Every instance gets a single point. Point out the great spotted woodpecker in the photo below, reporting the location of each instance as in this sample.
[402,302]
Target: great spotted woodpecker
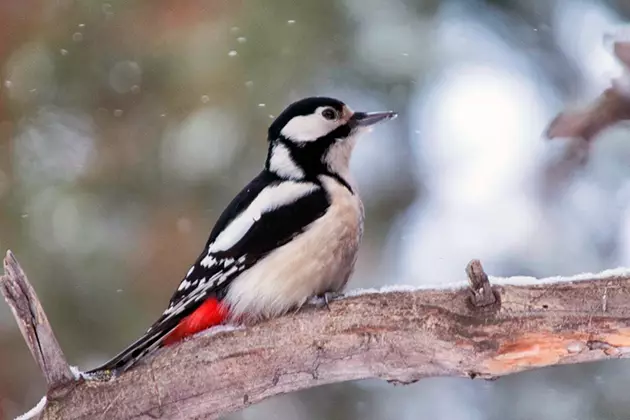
[291,234]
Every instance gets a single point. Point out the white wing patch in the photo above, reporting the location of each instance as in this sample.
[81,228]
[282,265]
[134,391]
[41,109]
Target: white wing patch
[198,287]
[215,270]
[208,261]
[187,284]
[269,199]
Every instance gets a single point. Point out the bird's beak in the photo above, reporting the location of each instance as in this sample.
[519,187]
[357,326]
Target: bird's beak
[365,119]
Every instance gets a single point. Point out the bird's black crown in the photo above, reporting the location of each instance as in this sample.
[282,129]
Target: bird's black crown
[304,106]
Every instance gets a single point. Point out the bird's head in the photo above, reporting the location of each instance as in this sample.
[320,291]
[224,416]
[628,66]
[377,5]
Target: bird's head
[316,136]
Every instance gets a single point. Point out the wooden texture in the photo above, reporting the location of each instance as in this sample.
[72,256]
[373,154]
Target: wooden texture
[34,325]
[480,331]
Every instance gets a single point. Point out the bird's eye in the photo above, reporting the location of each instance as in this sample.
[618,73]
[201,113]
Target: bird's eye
[329,114]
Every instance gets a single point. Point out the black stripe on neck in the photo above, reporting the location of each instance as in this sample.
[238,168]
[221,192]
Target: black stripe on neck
[309,157]
[341,181]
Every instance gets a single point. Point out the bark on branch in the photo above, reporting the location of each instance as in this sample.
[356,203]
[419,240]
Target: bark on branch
[477,330]
[34,325]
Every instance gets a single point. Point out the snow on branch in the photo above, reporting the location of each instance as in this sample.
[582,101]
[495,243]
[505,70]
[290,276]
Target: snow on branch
[477,329]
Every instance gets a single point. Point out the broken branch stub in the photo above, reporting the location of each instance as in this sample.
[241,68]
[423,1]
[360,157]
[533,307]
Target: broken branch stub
[34,325]
[482,294]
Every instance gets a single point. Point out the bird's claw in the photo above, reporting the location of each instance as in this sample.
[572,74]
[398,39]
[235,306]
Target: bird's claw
[324,299]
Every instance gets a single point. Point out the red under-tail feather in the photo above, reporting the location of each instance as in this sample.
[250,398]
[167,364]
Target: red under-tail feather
[210,313]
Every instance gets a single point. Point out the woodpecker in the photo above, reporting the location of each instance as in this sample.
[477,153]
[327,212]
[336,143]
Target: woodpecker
[291,234]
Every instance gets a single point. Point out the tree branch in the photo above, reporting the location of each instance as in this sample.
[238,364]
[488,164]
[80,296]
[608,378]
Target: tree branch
[34,325]
[611,107]
[400,335]
[584,126]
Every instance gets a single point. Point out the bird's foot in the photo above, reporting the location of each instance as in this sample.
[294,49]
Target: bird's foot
[323,300]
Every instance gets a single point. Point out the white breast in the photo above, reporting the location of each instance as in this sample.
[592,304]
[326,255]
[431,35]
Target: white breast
[319,260]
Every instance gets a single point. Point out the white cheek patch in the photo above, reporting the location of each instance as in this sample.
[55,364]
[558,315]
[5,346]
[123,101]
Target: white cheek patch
[308,127]
[268,200]
[282,164]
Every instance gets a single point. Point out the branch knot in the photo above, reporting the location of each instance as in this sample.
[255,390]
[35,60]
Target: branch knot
[481,293]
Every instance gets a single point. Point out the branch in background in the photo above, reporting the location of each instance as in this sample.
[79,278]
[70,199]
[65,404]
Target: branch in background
[583,126]
[399,334]
[611,107]
[34,325]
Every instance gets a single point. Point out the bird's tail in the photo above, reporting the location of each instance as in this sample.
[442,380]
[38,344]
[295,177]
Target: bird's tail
[148,343]
[167,330]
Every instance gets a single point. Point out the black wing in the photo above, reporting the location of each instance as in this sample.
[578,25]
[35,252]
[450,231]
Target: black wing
[213,271]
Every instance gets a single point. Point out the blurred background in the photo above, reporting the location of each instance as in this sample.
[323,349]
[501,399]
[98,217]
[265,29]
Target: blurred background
[126,127]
